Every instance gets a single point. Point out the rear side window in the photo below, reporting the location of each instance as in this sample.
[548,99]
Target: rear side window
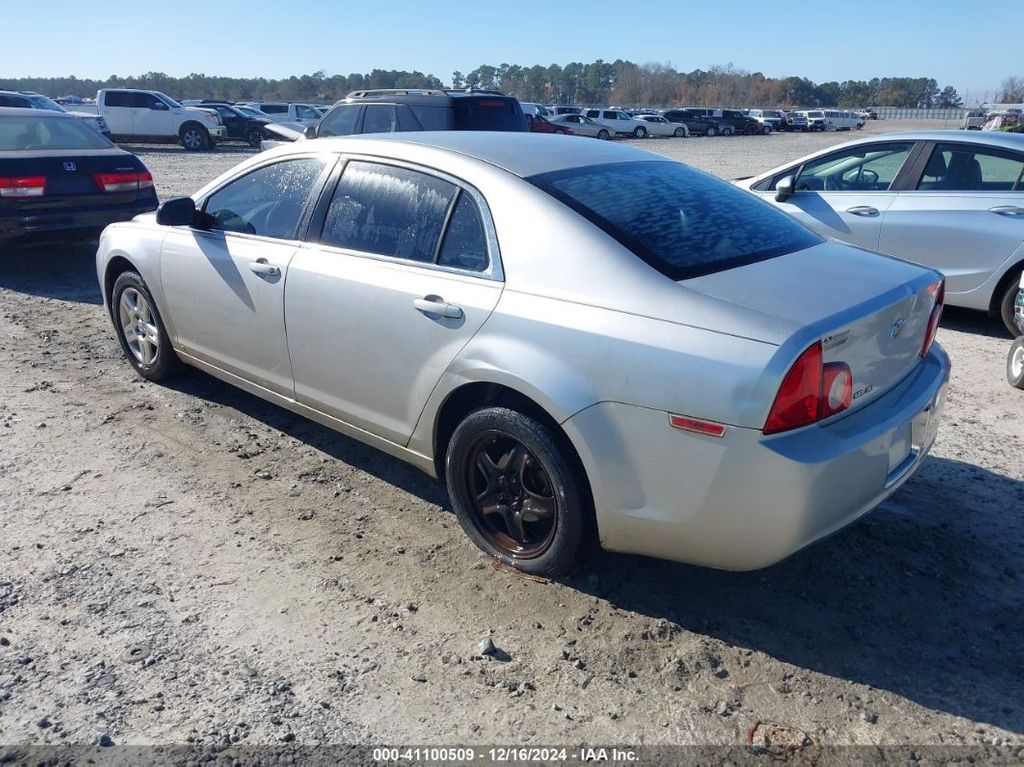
[963,168]
[434,118]
[274,109]
[682,222]
[268,202]
[464,245]
[389,211]
[490,113]
[117,99]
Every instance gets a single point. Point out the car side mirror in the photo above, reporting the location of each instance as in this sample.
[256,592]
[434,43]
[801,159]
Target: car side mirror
[160,106]
[310,131]
[784,189]
[180,211]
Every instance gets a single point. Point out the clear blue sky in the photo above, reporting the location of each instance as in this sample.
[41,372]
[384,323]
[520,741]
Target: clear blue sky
[969,44]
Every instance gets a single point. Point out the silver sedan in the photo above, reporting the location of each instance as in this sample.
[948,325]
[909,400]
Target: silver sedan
[943,199]
[582,125]
[586,341]
[659,126]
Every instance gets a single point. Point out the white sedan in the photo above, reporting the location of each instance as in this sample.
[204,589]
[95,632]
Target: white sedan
[659,126]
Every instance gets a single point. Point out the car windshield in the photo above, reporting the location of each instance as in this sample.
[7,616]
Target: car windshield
[170,102]
[20,133]
[681,221]
[249,112]
[42,102]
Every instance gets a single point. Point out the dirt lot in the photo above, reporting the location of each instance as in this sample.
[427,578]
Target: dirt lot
[185,563]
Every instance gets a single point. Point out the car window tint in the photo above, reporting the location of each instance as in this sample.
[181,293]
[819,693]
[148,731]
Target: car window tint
[680,221]
[406,119]
[306,113]
[340,121]
[865,168]
[117,99]
[379,118]
[268,202]
[434,118]
[388,211]
[962,168]
[464,245]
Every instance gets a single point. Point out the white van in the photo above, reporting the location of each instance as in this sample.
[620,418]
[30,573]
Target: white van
[841,119]
[529,108]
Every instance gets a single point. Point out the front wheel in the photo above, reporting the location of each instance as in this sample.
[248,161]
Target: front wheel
[752,129]
[603,135]
[711,132]
[640,132]
[140,329]
[194,137]
[515,492]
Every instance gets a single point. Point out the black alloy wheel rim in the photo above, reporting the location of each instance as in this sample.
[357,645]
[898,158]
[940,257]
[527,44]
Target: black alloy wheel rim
[511,495]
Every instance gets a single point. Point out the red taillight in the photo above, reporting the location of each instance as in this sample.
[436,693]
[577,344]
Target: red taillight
[939,290]
[810,392]
[22,186]
[124,181]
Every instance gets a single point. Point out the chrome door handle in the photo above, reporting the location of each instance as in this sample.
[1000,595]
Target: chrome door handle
[863,210]
[1007,210]
[434,305]
[264,269]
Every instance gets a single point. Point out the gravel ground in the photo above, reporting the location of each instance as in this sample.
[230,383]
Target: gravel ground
[187,564]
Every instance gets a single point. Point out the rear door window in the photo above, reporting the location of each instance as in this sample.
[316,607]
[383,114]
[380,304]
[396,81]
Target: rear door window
[117,99]
[963,168]
[269,201]
[388,211]
[680,221]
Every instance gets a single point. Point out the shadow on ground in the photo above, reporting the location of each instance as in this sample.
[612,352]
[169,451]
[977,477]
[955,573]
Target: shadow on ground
[63,270]
[969,321]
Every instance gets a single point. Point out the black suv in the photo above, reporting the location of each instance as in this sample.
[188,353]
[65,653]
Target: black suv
[238,125]
[388,111]
[740,122]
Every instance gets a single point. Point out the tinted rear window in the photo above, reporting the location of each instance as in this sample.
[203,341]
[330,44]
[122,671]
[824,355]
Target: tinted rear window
[492,113]
[682,222]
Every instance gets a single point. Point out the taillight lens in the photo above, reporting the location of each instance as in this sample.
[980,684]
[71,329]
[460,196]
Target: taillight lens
[22,186]
[796,404]
[939,290]
[810,392]
[124,181]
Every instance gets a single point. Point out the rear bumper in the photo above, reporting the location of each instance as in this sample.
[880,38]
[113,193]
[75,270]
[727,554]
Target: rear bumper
[746,501]
[57,221]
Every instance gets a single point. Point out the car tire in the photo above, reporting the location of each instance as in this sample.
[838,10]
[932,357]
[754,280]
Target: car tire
[603,135]
[712,131]
[640,132]
[559,132]
[254,137]
[679,133]
[539,519]
[1008,302]
[727,131]
[767,129]
[752,130]
[1015,363]
[194,137]
[140,329]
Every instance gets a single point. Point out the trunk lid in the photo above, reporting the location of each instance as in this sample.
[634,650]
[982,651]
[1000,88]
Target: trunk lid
[70,177]
[869,311]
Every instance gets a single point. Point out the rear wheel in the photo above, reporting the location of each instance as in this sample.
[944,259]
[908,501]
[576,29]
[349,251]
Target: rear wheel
[194,137]
[515,492]
[1008,302]
[1015,364]
[603,134]
[559,131]
[679,132]
[727,131]
[752,129]
[254,137]
[711,131]
[140,330]
[640,132]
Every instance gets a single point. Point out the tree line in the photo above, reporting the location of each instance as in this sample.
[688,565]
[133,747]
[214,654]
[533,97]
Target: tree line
[620,82]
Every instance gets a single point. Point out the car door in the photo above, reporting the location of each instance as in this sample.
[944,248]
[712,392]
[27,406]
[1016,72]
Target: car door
[845,194]
[149,115]
[404,273]
[224,281]
[962,213]
[234,123]
[118,111]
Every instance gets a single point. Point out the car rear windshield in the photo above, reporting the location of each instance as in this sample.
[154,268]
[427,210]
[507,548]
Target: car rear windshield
[681,221]
[28,133]
[492,113]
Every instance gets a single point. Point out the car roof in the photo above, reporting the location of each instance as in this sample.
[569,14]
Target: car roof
[522,154]
[42,114]
[983,138]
